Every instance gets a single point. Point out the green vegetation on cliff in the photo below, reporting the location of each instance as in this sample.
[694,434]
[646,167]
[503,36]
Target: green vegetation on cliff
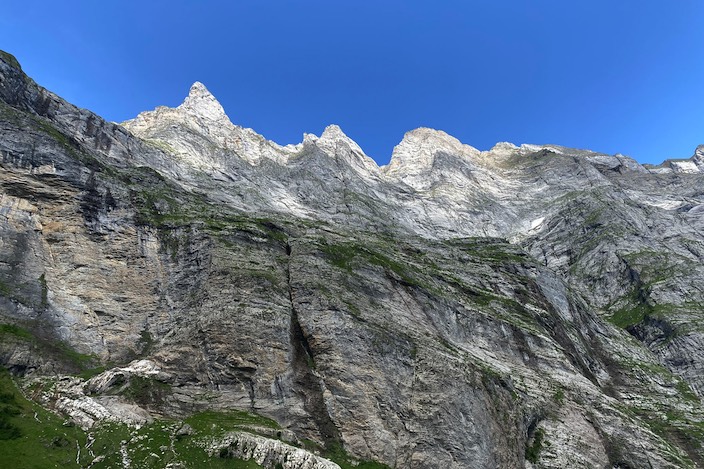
[34,438]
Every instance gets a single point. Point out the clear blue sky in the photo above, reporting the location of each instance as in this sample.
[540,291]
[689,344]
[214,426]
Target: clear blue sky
[612,76]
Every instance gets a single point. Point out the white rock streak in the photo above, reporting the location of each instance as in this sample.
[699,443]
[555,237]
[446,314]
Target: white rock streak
[268,452]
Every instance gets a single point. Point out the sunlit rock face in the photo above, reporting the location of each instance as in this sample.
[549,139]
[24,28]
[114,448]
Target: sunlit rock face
[526,306]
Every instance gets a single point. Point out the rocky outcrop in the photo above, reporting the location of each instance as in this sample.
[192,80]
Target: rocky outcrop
[532,306]
[267,452]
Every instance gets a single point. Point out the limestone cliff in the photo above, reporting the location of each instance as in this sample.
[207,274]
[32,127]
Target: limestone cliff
[532,306]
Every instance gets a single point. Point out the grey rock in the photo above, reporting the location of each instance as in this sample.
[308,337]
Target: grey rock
[451,309]
[267,452]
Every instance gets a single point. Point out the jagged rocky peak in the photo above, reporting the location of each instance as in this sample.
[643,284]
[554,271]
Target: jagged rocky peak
[504,147]
[200,107]
[335,142]
[201,102]
[332,134]
[418,149]
[210,135]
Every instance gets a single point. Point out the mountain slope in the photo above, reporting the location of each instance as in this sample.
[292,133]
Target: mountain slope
[448,310]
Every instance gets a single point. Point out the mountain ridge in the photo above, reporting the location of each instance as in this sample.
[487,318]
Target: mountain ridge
[217,113]
[525,307]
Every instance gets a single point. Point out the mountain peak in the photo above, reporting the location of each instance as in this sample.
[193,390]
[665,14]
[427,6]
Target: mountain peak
[331,136]
[503,148]
[333,132]
[198,88]
[202,103]
[335,142]
[416,152]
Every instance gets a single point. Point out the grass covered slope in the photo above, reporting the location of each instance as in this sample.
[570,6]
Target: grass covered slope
[33,438]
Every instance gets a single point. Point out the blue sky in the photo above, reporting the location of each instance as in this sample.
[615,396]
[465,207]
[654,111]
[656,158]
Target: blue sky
[612,76]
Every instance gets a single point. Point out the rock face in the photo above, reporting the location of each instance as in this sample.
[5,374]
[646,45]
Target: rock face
[268,453]
[532,306]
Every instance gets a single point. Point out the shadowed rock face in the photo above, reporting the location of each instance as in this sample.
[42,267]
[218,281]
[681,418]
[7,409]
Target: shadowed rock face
[530,306]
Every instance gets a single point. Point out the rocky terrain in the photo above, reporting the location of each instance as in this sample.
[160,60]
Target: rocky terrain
[218,300]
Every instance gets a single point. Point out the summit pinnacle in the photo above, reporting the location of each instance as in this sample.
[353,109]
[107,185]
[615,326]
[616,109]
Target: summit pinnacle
[200,102]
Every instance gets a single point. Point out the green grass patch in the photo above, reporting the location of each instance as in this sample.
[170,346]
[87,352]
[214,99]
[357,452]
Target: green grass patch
[638,311]
[91,372]
[559,397]
[491,250]
[155,446]
[30,436]
[146,391]
[54,349]
[629,316]
[145,342]
[34,438]
[44,291]
[17,331]
[533,450]
[81,360]
[685,391]
[221,422]
[348,256]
